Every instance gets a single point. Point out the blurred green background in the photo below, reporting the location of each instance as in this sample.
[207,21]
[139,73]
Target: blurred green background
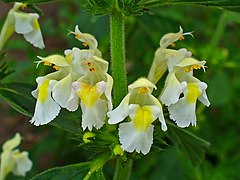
[216,40]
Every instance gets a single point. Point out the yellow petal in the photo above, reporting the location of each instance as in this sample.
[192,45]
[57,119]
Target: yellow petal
[43,91]
[88,94]
[193,93]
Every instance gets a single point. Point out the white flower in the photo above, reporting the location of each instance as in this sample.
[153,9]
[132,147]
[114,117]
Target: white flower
[12,160]
[169,38]
[54,90]
[167,58]
[143,109]
[87,40]
[57,90]
[94,91]
[181,80]
[183,112]
[22,23]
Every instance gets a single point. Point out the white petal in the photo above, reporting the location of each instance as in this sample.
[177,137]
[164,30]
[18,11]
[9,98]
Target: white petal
[183,113]
[22,163]
[76,86]
[162,120]
[56,59]
[189,62]
[172,90]
[109,91]
[203,97]
[47,110]
[132,110]
[94,116]
[23,22]
[120,113]
[61,90]
[73,101]
[131,139]
[35,38]
[173,57]
[141,82]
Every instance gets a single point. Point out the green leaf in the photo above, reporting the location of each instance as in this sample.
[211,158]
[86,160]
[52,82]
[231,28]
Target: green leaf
[191,145]
[68,121]
[4,71]
[87,170]
[226,4]
[18,96]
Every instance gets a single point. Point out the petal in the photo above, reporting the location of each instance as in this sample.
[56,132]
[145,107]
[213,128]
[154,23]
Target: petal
[170,38]
[108,91]
[120,113]
[141,82]
[73,101]
[156,112]
[46,108]
[61,90]
[23,22]
[88,38]
[189,62]
[101,64]
[172,90]
[79,58]
[162,119]
[22,163]
[94,116]
[159,66]
[204,99]
[131,139]
[12,143]
[55,59]
[173,57]
[142,117]
[35,38]
[183,113]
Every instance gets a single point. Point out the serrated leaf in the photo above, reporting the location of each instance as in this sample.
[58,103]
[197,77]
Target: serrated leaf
[226,4]
[87,170]
[191,145]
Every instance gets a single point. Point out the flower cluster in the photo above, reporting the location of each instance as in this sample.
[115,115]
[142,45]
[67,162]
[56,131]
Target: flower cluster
[22,23]
[180,80]
[12,160]
[81,78]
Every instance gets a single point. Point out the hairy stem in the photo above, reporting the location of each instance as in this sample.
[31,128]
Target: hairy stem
[118,56]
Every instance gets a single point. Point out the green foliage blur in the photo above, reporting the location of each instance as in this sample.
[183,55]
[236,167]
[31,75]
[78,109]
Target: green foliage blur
[216,40]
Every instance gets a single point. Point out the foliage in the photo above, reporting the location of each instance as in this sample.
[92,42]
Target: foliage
[222,77]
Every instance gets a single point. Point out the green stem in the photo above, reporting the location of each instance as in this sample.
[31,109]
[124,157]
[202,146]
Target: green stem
[118,56]
[123,169]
